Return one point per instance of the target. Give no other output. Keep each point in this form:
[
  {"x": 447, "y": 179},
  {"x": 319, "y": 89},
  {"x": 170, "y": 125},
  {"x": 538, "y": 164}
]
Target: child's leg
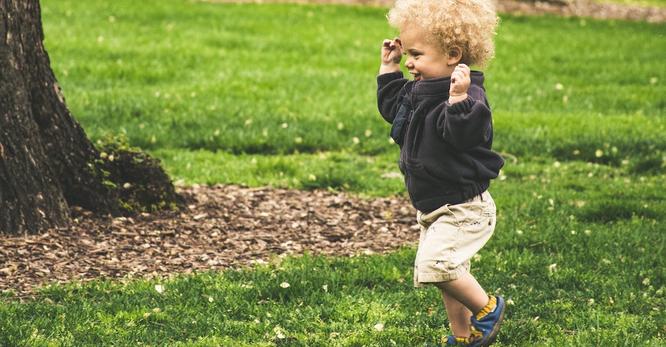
[
  {"x": 459, "y": 315},
  {"x": 488, "y": 312},
  {"x": 467, "y": 291}
]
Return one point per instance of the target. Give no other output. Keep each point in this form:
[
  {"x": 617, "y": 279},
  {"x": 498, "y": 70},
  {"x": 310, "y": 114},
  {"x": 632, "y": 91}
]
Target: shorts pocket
[
  {"x": 479, "y": 225},
  {"x": 439, "y": 244},
  {"x": 474, "y": 214}
]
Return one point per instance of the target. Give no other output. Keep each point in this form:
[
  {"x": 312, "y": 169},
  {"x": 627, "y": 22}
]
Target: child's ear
[{"x": 455, "y": 56}]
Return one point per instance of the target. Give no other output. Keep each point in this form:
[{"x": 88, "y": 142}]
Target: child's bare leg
[
  {"x": 459, "y": 315},
  {"x": 467, "y": 291}
]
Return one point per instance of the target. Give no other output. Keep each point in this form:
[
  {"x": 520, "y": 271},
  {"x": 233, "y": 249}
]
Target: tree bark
[{"x": 47, "y": 163}]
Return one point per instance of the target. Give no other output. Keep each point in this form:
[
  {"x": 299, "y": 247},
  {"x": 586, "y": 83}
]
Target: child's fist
[
  {"x": 460, "y": 81},
  {"x": 391, "y": 51}
]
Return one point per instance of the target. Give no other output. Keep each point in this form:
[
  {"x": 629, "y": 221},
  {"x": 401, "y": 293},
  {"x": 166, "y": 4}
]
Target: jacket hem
[{"x": 454, "y": 198}]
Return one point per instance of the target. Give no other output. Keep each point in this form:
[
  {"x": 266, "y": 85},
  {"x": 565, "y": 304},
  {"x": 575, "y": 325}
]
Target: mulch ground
[{"x": 222, "y": 227}]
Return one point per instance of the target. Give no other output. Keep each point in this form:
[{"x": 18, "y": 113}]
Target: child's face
[{"x": 425, "y": 60}]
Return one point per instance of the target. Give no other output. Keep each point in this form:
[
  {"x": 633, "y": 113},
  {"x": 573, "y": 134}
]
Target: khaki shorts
[{"x": 450, "y": 237}]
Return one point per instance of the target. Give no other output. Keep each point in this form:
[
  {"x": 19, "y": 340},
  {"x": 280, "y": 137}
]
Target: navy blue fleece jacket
[{"x": 445, "y": 150}]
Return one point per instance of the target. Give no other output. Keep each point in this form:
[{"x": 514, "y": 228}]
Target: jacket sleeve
[
  {"x": 468, "y": 123},
  {"x": 389, "y": 87}
]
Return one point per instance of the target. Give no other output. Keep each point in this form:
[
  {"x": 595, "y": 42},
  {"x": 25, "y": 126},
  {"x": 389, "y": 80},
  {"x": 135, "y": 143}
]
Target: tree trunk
[{"x": 47, "y": 162}]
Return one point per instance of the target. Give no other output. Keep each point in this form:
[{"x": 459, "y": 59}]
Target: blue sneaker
[
  {"x": 451, "y": 340},
  {"x": 487, "y": 327},
  {"x": 457, "y": 341}
]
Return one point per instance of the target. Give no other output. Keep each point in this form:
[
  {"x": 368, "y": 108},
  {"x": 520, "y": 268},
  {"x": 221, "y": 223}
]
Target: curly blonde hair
[{"x": 468, "y": 24}]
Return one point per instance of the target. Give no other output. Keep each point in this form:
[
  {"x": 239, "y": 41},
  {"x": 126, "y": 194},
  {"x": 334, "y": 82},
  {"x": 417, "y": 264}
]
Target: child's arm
[
  {"x": 391, "y": 56},
  {"x": 390, "y": 80},
  {"x": 465, "y": 121},
  {"x": 460, "y": 82}
]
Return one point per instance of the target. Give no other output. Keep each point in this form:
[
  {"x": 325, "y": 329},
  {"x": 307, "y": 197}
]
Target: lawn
[{"x": 284, "y": 95}]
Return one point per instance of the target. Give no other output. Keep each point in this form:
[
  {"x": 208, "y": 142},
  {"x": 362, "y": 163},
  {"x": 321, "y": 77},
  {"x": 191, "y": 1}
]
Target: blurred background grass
[{"x": 189, "y": 79}]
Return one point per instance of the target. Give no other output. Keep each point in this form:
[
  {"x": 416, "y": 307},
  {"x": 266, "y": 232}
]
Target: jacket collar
[{"x": 440, "y": 86}]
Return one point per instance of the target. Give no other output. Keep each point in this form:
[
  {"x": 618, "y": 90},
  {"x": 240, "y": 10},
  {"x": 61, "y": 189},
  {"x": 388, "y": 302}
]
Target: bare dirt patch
[
  {"x": 580, "y": 8},
  {"x": 223, "y": 226},
  {"x": 569, "y": 8}
]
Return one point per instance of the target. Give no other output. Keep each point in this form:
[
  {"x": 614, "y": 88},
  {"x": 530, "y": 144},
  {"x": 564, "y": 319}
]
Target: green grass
[
  {"x": 577, "y": 250},
  {"x": 578, "y": 268},
  {"x": 284, "y": 95},
  {"x": 281, "y": 79}
]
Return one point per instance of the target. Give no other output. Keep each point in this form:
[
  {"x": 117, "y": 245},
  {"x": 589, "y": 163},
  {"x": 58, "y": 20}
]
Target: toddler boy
[{"x": 442, "y": 122}]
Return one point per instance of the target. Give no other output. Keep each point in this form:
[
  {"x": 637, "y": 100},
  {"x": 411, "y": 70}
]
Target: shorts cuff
[{"x": 437, "y": 277}]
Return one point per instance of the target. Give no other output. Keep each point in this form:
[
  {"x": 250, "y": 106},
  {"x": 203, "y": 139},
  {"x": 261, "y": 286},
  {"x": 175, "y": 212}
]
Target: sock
[{"x": 490, "y": 307}]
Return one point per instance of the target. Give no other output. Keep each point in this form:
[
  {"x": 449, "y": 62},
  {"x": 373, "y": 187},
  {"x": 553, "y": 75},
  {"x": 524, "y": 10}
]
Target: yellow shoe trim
[
  {"x": 463, "y": 340},
  {"x": 490, "y": 307}
]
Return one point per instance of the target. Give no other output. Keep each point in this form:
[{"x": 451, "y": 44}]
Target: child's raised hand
[
  {"x": 460, "y": 82},
  {"x": 391, "y": 51}
]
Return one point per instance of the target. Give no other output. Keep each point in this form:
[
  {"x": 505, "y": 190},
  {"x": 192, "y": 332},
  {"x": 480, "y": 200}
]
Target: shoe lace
[
  {"x": 466, "y": 341},
  {"x": 474, "y": 335}
]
